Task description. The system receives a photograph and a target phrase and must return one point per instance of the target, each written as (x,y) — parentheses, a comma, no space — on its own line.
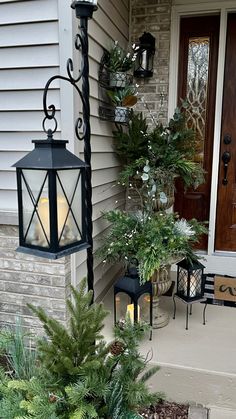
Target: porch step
(198,412)
(211,412)
(220,413)
(204,387)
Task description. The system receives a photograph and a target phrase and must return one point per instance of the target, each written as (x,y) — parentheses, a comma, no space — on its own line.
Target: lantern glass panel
(144,304)
(36,220)
(68,207)
(122,301)
(190,283)
(144,60)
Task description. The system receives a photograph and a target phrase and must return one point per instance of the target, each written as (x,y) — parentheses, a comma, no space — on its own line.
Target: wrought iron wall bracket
(83,12)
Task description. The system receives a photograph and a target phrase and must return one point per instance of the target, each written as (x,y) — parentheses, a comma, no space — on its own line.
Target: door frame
(216,261)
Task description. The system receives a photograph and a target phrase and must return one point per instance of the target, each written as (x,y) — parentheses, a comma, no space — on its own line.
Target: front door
(198,58)
(226,204)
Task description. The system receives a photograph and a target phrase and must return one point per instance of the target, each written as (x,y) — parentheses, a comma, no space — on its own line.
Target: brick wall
(154,16)
(25,279)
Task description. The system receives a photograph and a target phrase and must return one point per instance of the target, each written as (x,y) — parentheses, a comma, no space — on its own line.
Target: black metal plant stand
(189,308)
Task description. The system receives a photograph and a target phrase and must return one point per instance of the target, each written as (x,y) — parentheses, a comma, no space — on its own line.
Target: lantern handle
(49,131)
(134,261)
(132,268)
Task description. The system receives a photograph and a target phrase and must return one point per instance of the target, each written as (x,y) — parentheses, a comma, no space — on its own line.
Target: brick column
(154,16)
(26,279)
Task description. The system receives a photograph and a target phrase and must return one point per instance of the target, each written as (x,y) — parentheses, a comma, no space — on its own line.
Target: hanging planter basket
(119,79)
(121,114)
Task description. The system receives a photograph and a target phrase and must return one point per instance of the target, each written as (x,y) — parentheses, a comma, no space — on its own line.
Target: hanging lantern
(51,203)
(190,281)
(133,299)
(145,56)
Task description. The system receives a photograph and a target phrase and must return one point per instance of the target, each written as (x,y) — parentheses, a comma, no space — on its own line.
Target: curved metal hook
(79,45)
(80,121)
(78,124)
(50,110)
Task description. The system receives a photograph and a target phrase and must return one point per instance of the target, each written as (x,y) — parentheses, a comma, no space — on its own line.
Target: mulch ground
(166,410)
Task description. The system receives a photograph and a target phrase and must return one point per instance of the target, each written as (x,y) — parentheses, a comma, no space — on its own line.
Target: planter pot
(118,79)
(161,283)
(121,114)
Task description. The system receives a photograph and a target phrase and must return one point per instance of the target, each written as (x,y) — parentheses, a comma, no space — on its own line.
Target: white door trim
(226,263)
(217,131)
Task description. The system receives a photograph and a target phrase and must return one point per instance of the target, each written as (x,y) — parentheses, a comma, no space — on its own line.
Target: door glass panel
(197,89)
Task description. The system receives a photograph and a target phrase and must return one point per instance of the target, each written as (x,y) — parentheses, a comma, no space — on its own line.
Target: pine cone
(116,348)
(121,324)
(52,398)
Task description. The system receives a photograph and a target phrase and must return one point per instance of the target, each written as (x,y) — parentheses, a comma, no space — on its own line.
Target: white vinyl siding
(29,55)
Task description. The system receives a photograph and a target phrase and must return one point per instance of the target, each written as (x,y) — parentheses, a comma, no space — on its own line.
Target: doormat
(211,294)
(225,288)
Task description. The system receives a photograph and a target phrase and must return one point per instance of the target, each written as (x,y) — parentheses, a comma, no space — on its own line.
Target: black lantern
(145,56)
(190,281)
(132,298)
(50,184)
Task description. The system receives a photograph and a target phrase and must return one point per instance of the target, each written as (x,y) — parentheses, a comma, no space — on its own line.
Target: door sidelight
(226,159)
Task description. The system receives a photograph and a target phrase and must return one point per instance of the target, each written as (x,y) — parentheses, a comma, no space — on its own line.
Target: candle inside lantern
(62,211)
(43,212)
(193,286)
(130,312)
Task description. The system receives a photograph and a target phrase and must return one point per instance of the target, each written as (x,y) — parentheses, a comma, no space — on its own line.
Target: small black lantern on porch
(132,298)
(190,281)
(145,56)
(51,202)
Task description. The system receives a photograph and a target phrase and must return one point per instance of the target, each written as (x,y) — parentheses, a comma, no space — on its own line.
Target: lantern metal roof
(50,154)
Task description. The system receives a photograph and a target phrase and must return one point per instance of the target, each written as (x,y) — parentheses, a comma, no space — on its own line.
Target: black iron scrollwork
(50,110)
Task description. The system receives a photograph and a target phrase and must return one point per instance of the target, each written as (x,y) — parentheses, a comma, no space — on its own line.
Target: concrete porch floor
(197,365)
